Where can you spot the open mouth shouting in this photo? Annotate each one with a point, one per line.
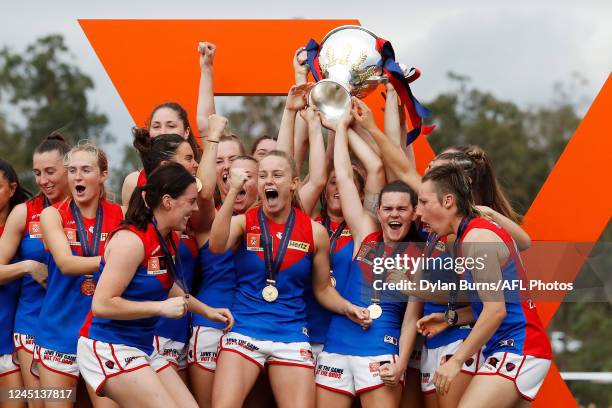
(80, 190)
(271, 196)
(395, 225)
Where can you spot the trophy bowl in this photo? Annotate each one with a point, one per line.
(349, 63)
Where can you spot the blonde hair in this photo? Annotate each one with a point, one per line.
(295, 199)
(91, 148)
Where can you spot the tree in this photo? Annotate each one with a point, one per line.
(524, 144)
(43, 90)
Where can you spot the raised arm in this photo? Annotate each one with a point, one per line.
(296, 100)
(317, 174)
(357, 218)
(55, 239)
(206, 94)
(375, 175)
(123, 255)
(393, 157)
(9, 245)
(300, 71)
(223, 238)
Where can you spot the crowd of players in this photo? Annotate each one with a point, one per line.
(226, 279)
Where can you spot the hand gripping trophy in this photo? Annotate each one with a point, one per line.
(353, 61)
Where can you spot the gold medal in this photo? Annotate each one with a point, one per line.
(270, 293)
(88, 287)
(375, 311)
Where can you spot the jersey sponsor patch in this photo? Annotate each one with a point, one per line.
(346, 233)
(391, 340)
(103, 236)
(34, 229)
(156, 266)
(299, 246)
(72, 237)
(253, 242)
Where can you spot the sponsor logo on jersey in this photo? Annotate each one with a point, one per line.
(109, 364)
(279, 235)
(305, 331)
(510, 367)
(440, 246)
(103, 236)
(493, 362)
(469, 361)
(34, 229)
(72, 237)
(128, 360)
(299, 246)
(184, 236)
(507, 342)
(156, 266)
(346, 233)
(253, 242)
(391, 340)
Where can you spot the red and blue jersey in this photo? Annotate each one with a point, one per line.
(178, 329)
(318, 317)
(435, 275)
(151, 282)
(382, 337)
(521, 332)
(218, 283)
(68, 298)
(142, 178)
(283, 320)
(9, 296)
(31, 248)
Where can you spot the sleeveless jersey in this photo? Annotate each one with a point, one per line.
(142, 178)
(151, 282)
(348, 338)
(283, 320)
(9, 296)
(521, 332)
(66, 306)
(318, 317)
(178, 329)
(438, 274)
(32, 248)
(218, 283)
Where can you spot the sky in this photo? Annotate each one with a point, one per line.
(515, 49)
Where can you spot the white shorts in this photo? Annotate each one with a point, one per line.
(262, 352)
(24, 341)
(527, 372)
(350, 375)
(416, 355)
(99, 361)
(56, 361)
(203, 347)
(434, 358)
(8, 364)
(175, 352)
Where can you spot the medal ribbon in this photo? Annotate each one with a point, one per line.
(86, 249)
(179, 278)
(380, 250)
(273, 265)
(452, 296)
(333, 237)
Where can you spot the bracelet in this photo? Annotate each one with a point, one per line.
(211, 141)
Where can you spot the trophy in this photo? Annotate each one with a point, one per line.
(350, 65)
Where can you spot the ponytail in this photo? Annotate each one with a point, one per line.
(171, 179)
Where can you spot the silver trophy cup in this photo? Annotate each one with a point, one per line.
(348, 59)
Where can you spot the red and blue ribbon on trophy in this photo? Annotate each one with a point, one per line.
(416, 112)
